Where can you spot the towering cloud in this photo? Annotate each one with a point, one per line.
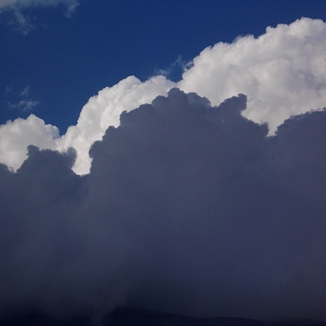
(187, 208)
(281, 73)
(104, 110)
(191, 204)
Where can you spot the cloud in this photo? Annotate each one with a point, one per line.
(24, 103)
(100, 112)
(281, 73)
(22, 22)
(179, 63)
(5, 4)
(25, 92)
(17, 135)
(104, 109)
(187, 208)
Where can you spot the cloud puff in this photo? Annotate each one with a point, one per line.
(104, 109)
(282, 73)
(16, 136)
(187, 208)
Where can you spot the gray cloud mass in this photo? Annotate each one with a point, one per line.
(188, 208)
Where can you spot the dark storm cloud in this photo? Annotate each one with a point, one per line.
(188, 208)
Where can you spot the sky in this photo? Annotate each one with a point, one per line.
(168, 155)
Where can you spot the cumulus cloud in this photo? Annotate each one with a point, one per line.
(100, 112)
(104, 109)
(16, 136)
(187, 208)
(282, 73)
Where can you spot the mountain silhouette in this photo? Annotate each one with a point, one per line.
(130, 316)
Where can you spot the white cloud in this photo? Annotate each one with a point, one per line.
(282, 73)
(104, 109)
(100, 112)
(17, 135)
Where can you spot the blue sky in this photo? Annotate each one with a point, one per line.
(64, 61)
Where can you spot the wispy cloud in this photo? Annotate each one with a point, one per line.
(24, 105)
(71, 8)
(25, 91)
(5, 4)
(178, 64)
(23, 22)
(20, 100)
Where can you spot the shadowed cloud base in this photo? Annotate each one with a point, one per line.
(188, 209)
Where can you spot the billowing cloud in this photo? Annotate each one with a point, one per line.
(16, 136)
(282, 73)
(187, 208)
(104, 109)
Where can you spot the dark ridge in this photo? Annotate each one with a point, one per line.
(38, 319)
(296, 322)
(130, 316)
(134, 317)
